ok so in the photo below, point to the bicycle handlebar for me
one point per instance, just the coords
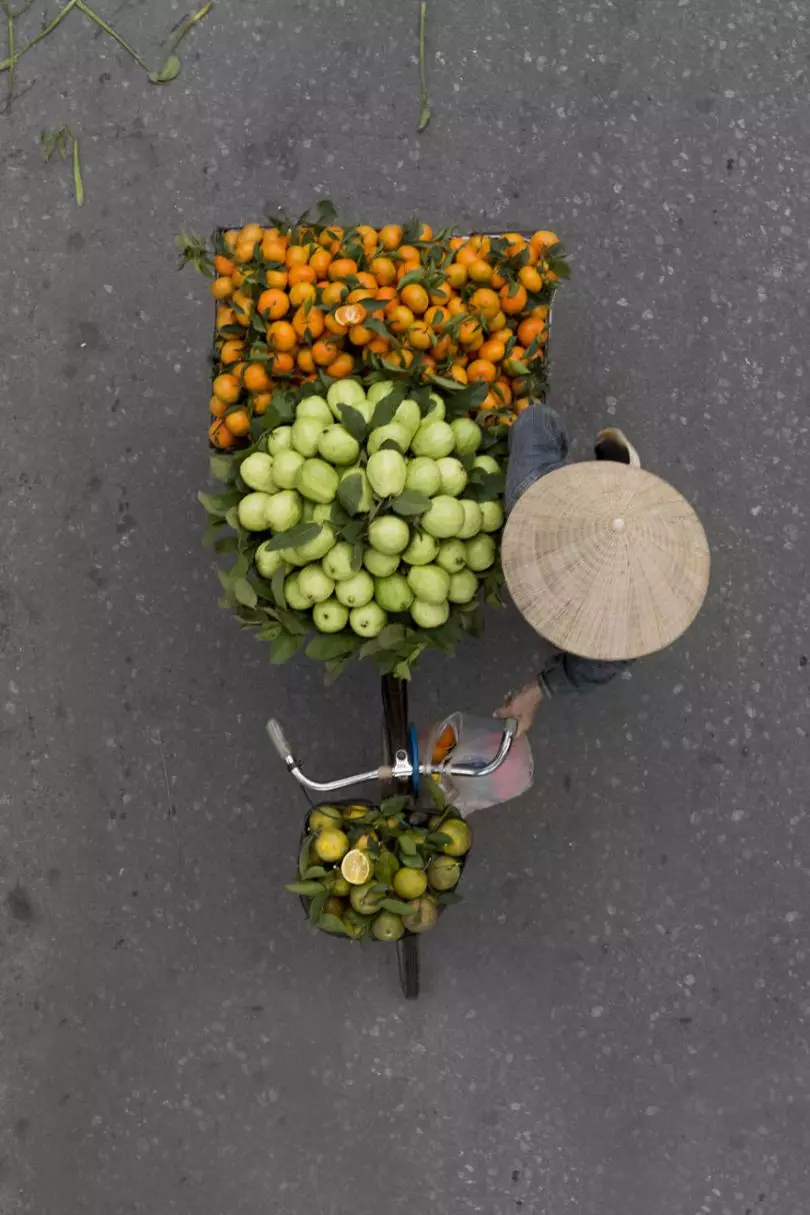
(402, 768)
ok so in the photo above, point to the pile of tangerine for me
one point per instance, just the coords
(328, 302)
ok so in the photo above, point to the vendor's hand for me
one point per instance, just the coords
(522, 706)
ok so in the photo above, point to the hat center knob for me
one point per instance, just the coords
(618, 524)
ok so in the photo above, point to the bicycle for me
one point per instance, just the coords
(400, 773)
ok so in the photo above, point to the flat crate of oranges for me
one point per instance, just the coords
(300, 301)
(364, 381)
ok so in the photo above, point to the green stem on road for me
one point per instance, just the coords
(424, 108)
(7, 65)
(190, 23)
(108, 29)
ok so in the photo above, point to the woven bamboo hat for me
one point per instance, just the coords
(605, 560)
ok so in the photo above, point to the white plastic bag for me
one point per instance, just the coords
(477, 742)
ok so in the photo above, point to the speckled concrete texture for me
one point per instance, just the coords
(615, 1022)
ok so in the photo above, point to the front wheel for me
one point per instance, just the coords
(395, 738)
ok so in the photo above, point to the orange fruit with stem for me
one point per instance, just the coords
(309, 322)
(222, 288)
(425, 232)
(456, 274)
(390, 236)
(324, 352)
(238, 422)
(415, 297)
(458, 372)
(228, 388)
(301, 272)
(466, 255)
(251, 232)
(256, 378)
(244, 251)
(530, 328)
(359, 335)
(304, 360)
(492, 350)
(479, 271)
(225, 316)
(342, 267)
(333, 293)
(220, 436)
(543, 240)
(513, 298)
(282, 336)
(485, 301)
(297, 255)
(261, 402)
(224, 266)
(470, 332)
(419, 335)
(384, 270)
(277, 279)
(231, 238)
(217, 407)
(282, 363)
(342, 366)
(367, 280)
(379, 345)
(231, 352)
(480, 369)
(300, 293)
(274, 249)
(320, 262)
(399, 318)
(531, 278)
(273, 304)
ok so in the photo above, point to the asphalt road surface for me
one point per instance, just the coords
(615, 1021)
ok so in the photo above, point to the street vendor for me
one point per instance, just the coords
(603, 559)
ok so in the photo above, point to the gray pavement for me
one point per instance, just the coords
(615, 1021)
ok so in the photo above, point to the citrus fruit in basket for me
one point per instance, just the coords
(365, 899)
(388, 927)
(443, 872)
(424, 914)
(331, 845)
(324, 818)
(460, 836)
(356, 867)
(410, 883)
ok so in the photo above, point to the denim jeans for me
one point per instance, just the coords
(537, 445)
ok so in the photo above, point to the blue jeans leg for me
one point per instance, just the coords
(537, 445)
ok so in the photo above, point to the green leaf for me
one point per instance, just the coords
(277, 586)
(307, 888)
(352, 531)
(413, 276)
(302, 533)
(411, 502)
(397, 907)
(294, 623)
(170, 71)
(350, 493)
(354, 422)
(244, 592)
(387, 407)
(303, 854)
(439, 838)
(326, 212)
(435, 792)
(331, 645)
(315, 871)
(394, 805)
(228, 544)
(406, 845)
(219, 504)
(221, 468)
(285, 647)
(78, 183)
(449, 898)
(412, 862)
(488, 486)
(331, 923)
(357, 556)
(316, 907)
(470, 397)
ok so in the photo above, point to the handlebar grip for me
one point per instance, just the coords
(276, 736)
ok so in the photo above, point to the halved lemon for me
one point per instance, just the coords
(356, 867)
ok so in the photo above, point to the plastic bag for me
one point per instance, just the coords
(477, 740)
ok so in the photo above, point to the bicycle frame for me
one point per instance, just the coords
(401, 770)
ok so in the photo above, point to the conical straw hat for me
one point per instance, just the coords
(605, 560)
